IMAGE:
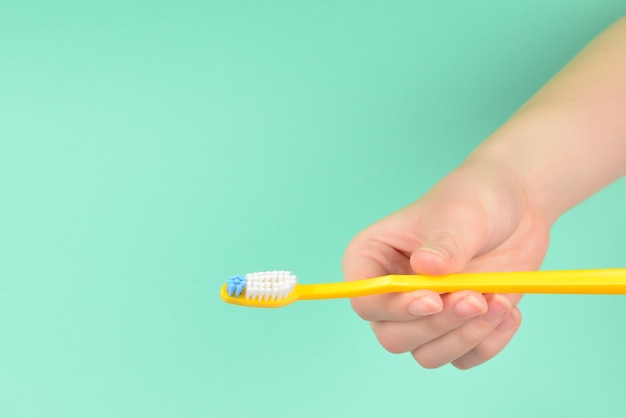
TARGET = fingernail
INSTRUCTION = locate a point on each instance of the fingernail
(425, 306)
(469, 307)
(432, 251)
(499, 306)
(509, 323)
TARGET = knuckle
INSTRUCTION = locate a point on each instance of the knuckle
(488, 351)
(471, 335)
(461, 364)
(360, 309)
(426, 360)
(388, 340)
(435, 326)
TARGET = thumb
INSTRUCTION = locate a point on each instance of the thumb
(450, 244)
(470, 212)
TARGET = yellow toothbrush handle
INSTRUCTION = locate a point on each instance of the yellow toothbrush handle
(601, 281)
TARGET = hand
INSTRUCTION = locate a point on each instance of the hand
(478, 218)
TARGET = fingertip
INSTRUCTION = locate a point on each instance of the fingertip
(511, 322)
(430, 262)
(425, 304)
(470, 306)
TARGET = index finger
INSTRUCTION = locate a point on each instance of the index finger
(388, 306)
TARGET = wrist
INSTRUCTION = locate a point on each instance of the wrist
(560, 152)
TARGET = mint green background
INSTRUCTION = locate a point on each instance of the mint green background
(148, 150)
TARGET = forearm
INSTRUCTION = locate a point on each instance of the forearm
(569, 140)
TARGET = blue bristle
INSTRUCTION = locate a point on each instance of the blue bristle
(235, 285)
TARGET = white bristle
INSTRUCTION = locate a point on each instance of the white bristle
(269, 285)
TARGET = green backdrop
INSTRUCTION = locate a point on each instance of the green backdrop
(149, 150)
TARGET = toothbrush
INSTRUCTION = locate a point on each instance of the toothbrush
(273, 289)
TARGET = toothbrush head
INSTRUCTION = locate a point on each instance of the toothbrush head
(263, 289)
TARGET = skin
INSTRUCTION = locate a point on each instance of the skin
(495, 211)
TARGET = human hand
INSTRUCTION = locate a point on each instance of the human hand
(479, 218)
